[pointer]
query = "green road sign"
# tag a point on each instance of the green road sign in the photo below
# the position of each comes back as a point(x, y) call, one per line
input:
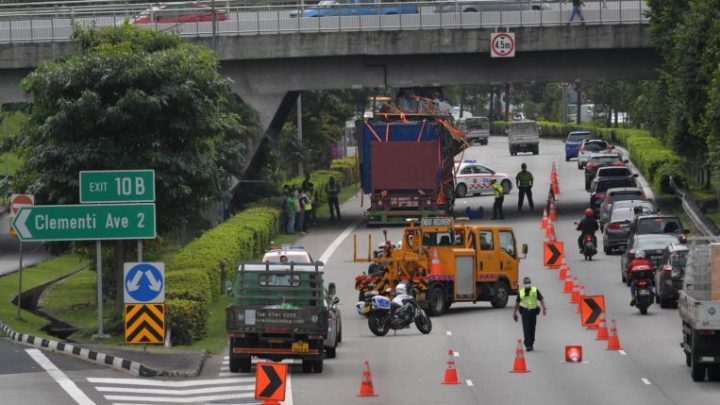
point(85, 222)
point(117, 186)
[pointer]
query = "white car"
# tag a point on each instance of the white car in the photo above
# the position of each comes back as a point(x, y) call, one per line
point(287, 254)
point(474, 178)
point(590, 147)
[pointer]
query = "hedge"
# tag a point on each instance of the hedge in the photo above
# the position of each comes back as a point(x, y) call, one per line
point(196, 274)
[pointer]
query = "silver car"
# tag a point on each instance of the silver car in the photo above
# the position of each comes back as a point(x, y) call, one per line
point(334, 336)
point(646, 207)
point(617, 230)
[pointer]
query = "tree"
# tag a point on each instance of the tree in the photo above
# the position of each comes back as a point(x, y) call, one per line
point(132, 98)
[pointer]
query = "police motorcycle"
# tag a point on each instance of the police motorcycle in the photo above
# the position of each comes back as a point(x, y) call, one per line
point(398, 312)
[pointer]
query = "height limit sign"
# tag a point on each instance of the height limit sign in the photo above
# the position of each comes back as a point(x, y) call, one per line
point(502, 45)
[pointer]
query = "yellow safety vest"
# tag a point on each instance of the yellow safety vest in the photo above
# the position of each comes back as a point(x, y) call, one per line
point(529, 301)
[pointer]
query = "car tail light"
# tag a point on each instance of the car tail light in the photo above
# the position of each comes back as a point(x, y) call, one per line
point(642, 283)
point(599, 196)
point(591, 166)
point(667, 270)
point(622, 164)
point(614, 225)
point(705, 332)
point(631, 254)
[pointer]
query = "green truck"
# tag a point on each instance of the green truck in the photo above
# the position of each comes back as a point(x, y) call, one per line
point(279, 311)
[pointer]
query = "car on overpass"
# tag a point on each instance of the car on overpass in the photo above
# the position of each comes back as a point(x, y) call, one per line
point(174, 13)
point(474, 178)
point(345, 8)
point(479, 6)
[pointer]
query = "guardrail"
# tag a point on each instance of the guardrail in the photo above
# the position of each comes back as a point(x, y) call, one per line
point(56, 22)
point(693, 210)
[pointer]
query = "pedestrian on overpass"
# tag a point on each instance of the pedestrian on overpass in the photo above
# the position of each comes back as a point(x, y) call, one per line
point(524, 182)
point(527, 303)
point(499, 193)
point(577, 6)
point(332, 189)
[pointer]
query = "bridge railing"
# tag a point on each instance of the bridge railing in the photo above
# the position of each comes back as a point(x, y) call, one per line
point(55, 21)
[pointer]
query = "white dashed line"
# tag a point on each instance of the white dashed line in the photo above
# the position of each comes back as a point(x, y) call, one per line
point(469, 383)
point(449, 333)
point(622, 352)
point(646, 381)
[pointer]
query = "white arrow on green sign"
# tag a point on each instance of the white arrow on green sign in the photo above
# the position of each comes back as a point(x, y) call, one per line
point(85, 222)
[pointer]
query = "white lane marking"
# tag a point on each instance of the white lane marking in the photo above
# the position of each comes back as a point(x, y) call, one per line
point(646, 381)
point(196, 391)
point(622, 352)
point(288, 391)
point(469, 383)
point(161, 383)
point(449, 333)
point(336, 243)
point(65, 383)
point(188, 400)
point(456, 354)
point(225, 368)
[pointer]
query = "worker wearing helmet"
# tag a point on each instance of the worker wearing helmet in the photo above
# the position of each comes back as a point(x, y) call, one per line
point(639, 263)
point(587, 226)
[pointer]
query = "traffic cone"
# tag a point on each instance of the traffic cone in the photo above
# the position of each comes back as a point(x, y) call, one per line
point(581, 295)
point(519, 364)
point(602, 333)
point(613, 340)
point(553, 213)
point(575, 295)
point(568, 288)
point(544, 223)
point(550, 232)
point(451, 376)
point(435, 263)
point(562, 274)
point(366, 386)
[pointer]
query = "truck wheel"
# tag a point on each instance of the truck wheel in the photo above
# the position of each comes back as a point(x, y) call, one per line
point(536, 151)
point(339, 336)
point(506, 185)
point(317, 366)
point(461, 190)
point(438, 302)
point(240, 364)
point(330, 352)
point(307, 366)
point(502, 294)
point(688, 359)
point(697, 371)
point(713, 372)
point(567, 158)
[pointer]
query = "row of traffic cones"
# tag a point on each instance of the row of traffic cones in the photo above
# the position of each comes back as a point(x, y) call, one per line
point(451, 376)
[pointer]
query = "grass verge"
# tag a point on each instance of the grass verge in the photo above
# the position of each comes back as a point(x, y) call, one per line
point(73, 300)
point(32, 277)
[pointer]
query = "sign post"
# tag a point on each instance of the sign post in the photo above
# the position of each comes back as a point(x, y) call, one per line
point(270, 381)
point(18, 201)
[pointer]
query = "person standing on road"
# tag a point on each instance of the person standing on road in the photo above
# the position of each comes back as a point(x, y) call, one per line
point(305, 208)
point(524, 181)
point(499, 193)
point(332, 190)
point(527, 304)
point(290, 212)
point(576, 10)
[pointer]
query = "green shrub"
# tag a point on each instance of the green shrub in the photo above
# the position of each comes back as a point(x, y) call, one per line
point(191, 285)
point(187, 320)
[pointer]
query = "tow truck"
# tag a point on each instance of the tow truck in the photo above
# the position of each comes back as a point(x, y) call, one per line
point(449, 262)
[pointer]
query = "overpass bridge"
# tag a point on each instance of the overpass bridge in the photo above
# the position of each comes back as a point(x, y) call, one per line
point(270, 55)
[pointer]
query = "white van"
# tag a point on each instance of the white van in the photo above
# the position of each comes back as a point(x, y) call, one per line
point(523, 136)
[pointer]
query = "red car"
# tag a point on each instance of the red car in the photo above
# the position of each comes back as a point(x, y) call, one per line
point(172, 13)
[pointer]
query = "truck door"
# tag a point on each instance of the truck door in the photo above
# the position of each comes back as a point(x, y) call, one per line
point(465, 277)
point(488, 261)
point(508, 257)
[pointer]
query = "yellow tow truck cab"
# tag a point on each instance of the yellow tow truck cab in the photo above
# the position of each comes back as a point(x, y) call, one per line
point(449, 262)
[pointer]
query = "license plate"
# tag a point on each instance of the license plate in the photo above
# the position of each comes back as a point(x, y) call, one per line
point(300, 347)
point(644, 292)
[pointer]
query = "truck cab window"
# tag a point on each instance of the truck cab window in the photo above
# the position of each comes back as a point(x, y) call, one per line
point(486, 240)
point(507, 243)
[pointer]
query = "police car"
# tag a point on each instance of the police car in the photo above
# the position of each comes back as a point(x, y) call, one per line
point(287, 254)
point(474, 178)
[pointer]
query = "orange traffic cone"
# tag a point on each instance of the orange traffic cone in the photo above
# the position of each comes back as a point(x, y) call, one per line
point(613, 340)
point(435, 263)
point(519, 365)
point(553, 213)
point(568, 288)
point(550, 232)
point(562, 274)
point(602, 330)
point(451, 376)
point(366, 386)
point(575, 295)
point(544, 223)
point(581, 295)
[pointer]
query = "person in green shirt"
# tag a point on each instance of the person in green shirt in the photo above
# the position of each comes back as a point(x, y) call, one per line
point(499, 193)
point(291, 211)
point(332, 189)
point(524, 182)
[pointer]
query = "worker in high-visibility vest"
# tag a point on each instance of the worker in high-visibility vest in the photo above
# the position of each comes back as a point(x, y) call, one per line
point(499, 193)
point(524, 181)
point(527, 303)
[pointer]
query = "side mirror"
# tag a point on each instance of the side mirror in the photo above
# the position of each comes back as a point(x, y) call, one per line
point(626, 161)
point(336, 300)
point(524, 250)
point(332, 289)
point(635, 175)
